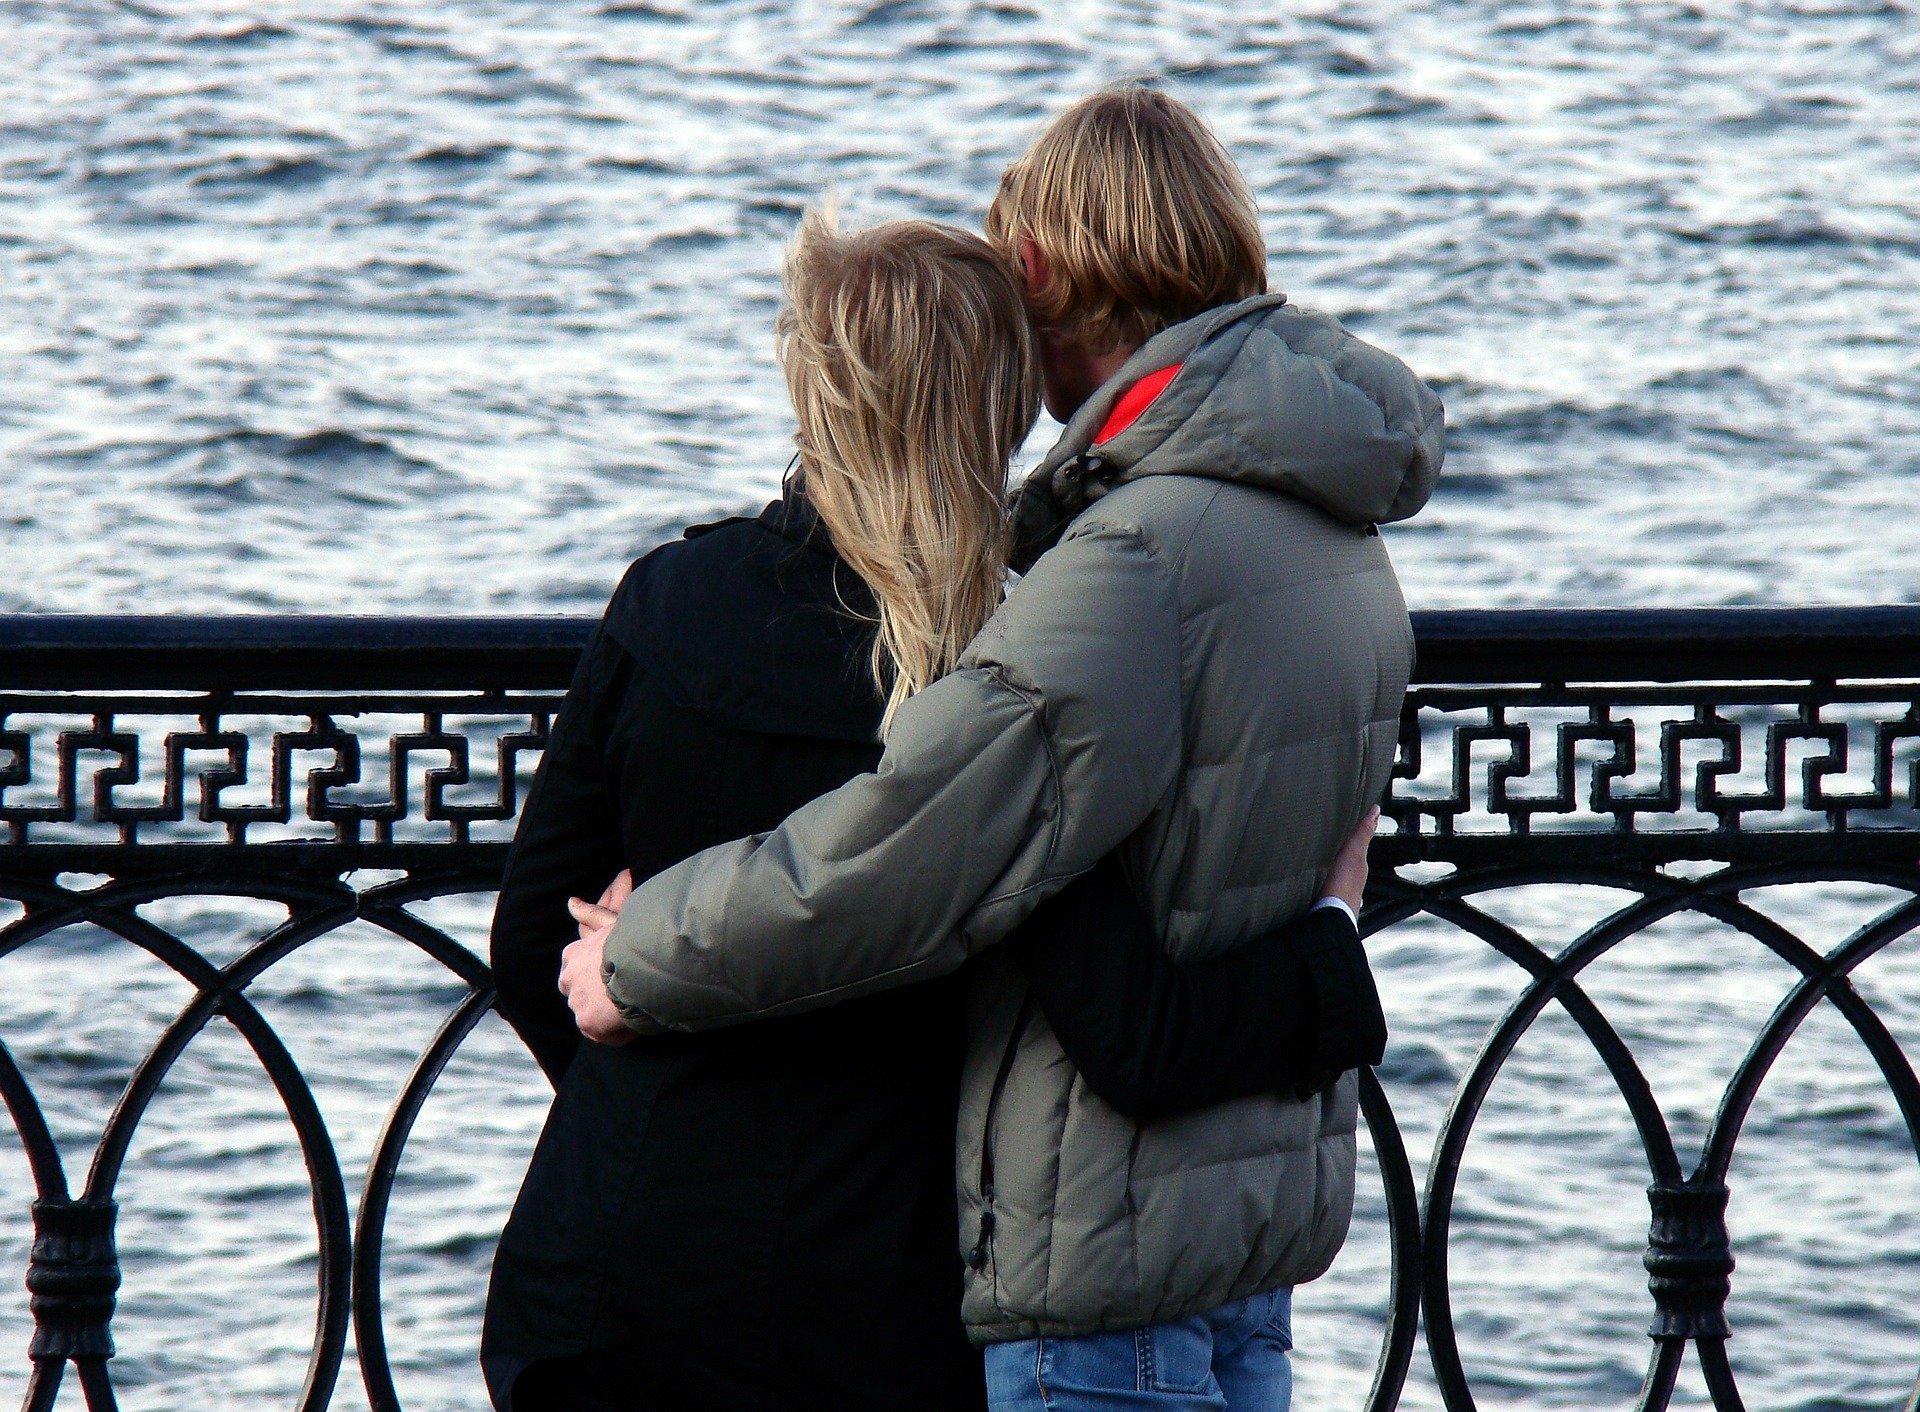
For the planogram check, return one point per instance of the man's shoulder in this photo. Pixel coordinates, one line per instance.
(1158, 512)
(1107, 586)
(1193, 521)
(1213, 542)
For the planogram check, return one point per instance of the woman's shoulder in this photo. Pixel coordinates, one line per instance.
(723, 578)
(755, 626)
(656, 571)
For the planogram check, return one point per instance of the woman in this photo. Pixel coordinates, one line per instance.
(763, 1217)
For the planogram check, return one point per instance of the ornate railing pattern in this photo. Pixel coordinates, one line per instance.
(270, 758)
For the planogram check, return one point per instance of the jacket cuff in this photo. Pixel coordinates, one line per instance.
(1350, 1027)
(638, 1020)
(1339, 904)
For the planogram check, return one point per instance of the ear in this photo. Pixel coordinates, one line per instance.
(1034, 263)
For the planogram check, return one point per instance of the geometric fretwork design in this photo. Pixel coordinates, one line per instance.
(1637, 764)
(1681, 760)
(237, 768)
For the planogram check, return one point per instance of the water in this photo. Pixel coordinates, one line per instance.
(455, 308)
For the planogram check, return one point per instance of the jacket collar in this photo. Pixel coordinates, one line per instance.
(794, 518)
(1070, 476)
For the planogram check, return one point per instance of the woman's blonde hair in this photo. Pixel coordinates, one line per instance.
(1142, 215)
(911, 365)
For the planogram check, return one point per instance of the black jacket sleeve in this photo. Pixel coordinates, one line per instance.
(1291, 1011)
(567, 845)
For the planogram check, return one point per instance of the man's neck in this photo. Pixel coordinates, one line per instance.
(1073, 374)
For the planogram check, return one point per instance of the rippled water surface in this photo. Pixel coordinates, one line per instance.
(455, 307)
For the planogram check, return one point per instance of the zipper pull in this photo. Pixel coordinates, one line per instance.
(977, 1257)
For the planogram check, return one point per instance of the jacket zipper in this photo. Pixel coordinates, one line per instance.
(977, 1257)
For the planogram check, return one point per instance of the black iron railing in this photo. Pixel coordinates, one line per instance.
(273, 758)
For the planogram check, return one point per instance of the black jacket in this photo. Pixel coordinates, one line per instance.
(763, 1216)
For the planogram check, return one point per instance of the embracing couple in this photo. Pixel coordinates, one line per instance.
(1065, 871)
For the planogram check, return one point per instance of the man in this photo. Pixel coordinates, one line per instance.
(1203, 669)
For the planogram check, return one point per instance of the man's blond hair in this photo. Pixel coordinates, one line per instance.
(911, 364)
(1143, 218)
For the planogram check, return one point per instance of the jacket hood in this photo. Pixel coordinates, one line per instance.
(1263, 393)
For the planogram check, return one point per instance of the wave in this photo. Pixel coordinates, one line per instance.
(333, 445)
(247, 466)
(1869, 10)
(458, 155)
(1655, 420)
(1391, 103)
(403, 270)
(646, 166)
(1416, 1065)
(1535, 29)
(372, 24)
(1553, 421)
(286, 172)
(685, 240)
(1785, 113)
(1720, 381)
(256, 33)
(1795, 233)
(888, 12)
(644, 12)
(1472, 485)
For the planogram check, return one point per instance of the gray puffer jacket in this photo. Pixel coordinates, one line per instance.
(1206, 671)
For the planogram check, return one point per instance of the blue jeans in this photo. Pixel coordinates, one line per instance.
(1233, 1358)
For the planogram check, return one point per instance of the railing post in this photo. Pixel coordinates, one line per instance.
(1689, 1260)
(73, 1274)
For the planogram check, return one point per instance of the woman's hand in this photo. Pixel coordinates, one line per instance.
(612, 899)
(1348, 880)
(580, 979)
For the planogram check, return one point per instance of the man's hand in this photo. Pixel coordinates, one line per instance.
(1348, 880)
(593, 1009)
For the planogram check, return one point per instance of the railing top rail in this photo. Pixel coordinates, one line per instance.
(1667, 644)
(293, 651)
(75, 652)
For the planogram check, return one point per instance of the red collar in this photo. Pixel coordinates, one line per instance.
(1134, 401)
